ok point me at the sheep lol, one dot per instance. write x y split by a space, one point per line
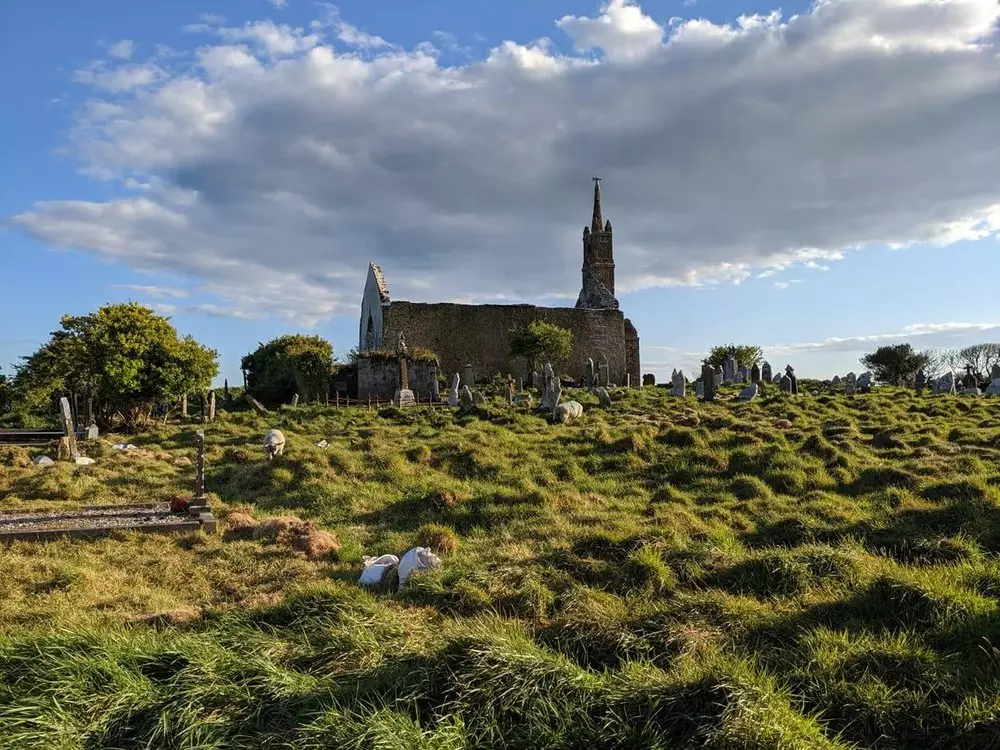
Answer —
274 443
567 411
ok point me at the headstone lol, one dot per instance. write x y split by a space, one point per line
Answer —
184 405
465 398
679 385
850 388
708 378
699 389
68 429
836 380
995 373
786 384
790 374
257 406
211 406
920 382
993 389
203 400
865 380
604 373
468 376
755 373
589 374
453 391
729 367
295 399
972 391
435 389
62 451
969 381
717 378
741 374
946 384
404 396
649 379
603 397
536 379
478 398
765 372
548 387
92 432
748 394
776 378
199 479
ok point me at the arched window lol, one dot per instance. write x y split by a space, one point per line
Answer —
370 334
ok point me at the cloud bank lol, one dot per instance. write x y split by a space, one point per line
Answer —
269 171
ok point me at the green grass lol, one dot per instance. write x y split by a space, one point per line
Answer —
775 574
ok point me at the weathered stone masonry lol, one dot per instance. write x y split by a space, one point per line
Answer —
479 334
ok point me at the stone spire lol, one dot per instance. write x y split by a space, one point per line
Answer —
597 223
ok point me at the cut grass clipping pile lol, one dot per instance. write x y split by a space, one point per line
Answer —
814 572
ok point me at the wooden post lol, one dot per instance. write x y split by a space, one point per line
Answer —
199 480
67 420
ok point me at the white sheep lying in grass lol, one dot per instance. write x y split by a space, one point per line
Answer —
274 443
567 411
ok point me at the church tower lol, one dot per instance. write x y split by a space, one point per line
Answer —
598 291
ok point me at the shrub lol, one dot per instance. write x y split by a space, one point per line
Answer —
437 538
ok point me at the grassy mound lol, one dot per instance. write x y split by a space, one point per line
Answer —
811 572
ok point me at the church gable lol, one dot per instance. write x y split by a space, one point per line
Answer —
375 298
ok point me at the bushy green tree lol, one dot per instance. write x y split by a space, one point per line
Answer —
896 365
745 355
124 356
541 342
6 395
288 365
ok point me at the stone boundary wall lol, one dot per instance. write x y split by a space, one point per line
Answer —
478 335
379 378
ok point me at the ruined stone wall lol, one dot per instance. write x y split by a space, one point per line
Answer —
478 335
379 378
632 353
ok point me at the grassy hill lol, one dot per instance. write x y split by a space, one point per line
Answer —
817 572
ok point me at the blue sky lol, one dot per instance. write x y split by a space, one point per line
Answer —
816 179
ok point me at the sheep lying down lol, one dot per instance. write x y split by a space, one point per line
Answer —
274 443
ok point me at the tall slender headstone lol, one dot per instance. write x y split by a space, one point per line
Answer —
604 373
765 372
468 376
708 377
184 405
741 374
921 382
199 490
404 396
679 385
755 373
211 406
729 367
790 374
68 429
295 399
589 374
456 379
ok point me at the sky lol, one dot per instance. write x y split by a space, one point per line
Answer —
816 178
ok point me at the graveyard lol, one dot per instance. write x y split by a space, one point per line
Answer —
810 565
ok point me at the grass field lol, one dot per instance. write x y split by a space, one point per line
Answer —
817 572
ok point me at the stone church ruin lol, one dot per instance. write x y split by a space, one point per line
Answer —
479 335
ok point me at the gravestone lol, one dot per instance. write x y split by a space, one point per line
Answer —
92 432
453 391
435 389
225 390
708 378
946 384
478 398
755 373
993 389
257 406
717 378
785 384
211 406
748 394
836 380
203 398
969 381
729 367
649 379
199 498
184 405
699 389
468 376
865 380
603 373
404 396
68 429
465 398
995 373
742 375
920 382
790 373
776 378
765 372
679 385
603 397
589 374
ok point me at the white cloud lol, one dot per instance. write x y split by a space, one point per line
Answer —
122 50
154 291
279 4
786 284
280 161
920 335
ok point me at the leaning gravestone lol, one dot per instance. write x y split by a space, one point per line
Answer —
589 374
68 430
765 372
755 373
257 406
748 394
679 385
708 376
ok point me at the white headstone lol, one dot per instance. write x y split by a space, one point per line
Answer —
679 384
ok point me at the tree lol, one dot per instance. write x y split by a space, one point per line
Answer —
288 365
6 394
126 357
541 341
745 355
981 358
896 365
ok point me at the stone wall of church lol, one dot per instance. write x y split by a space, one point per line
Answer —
479 335
378 378
632 353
